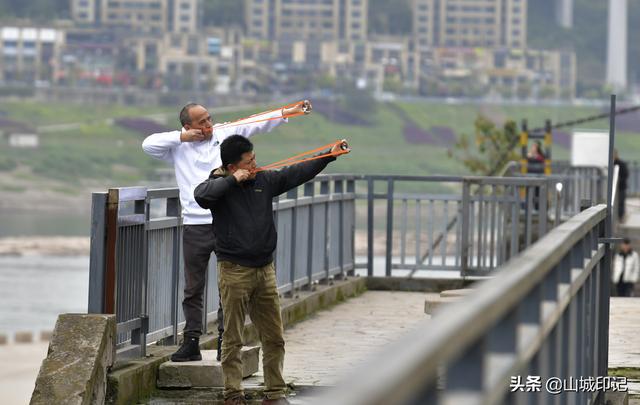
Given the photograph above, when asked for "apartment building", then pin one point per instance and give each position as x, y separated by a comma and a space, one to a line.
29, 54
149, 16
207, 61
465, 23
510, 72
319, 20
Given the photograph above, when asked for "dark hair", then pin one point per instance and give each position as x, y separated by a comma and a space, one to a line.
185, 118
626, 241
232, 149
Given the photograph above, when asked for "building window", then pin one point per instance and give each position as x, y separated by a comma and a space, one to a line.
185, 6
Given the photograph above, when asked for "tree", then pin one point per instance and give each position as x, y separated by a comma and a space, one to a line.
492, 149
392, 85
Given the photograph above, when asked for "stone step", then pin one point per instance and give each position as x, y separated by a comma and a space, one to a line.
460, 292
434, 302
204, 373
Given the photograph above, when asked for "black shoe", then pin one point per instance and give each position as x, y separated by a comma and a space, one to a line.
189, 351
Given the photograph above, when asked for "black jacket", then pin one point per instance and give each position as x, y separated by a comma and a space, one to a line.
243, 221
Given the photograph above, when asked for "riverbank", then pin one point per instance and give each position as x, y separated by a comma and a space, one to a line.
45, 246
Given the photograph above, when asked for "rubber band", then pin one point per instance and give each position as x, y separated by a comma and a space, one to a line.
282, 116
300, 157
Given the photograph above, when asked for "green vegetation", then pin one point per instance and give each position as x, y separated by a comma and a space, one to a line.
111, 155
492, 147
38, 114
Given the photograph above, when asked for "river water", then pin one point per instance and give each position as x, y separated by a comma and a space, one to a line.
35, 289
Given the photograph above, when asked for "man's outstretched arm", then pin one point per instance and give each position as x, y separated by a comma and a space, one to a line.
263, 122
298, 174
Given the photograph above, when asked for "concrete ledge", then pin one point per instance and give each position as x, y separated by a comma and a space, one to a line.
433, 303
415, 284
206, 372
135, 380
461, 292
75, 370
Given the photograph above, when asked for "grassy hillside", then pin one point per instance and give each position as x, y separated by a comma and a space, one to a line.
106, 154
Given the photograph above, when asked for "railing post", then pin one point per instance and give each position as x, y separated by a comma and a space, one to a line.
607, 262
542, 209
293, 194
174, 209
139, 335
351, 188
109, 306
309, 189
389, 227
339, 190
97, 258
324, 190
370, 186
466, 196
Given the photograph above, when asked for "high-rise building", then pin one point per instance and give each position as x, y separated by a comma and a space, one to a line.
564, 13
617, 45
463, 23
306, 19
151, 16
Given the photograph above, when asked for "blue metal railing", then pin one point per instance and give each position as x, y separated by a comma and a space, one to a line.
543, 315
136, 250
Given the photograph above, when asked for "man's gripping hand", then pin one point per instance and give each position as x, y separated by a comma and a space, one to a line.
302, 107
242, 175
340, 148
193, 135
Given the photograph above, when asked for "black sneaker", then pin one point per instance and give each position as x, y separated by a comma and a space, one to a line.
189, 351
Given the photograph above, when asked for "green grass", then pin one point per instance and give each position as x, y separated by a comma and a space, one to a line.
113, 155
38, 114
12, 188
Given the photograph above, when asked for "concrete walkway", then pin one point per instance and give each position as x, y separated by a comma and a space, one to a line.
331, 343
19, 366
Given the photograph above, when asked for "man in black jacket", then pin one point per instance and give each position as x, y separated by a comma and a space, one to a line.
623, 175
245, 240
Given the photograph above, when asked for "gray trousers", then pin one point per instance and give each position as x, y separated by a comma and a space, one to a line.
198, 242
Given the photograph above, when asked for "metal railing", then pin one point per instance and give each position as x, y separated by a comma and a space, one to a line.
482, 222
578, 183
544, 314
633, 182
137, 269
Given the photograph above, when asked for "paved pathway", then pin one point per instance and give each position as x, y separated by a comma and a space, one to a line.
19, 366
332, 342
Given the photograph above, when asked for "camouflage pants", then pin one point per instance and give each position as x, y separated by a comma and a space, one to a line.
251, 290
